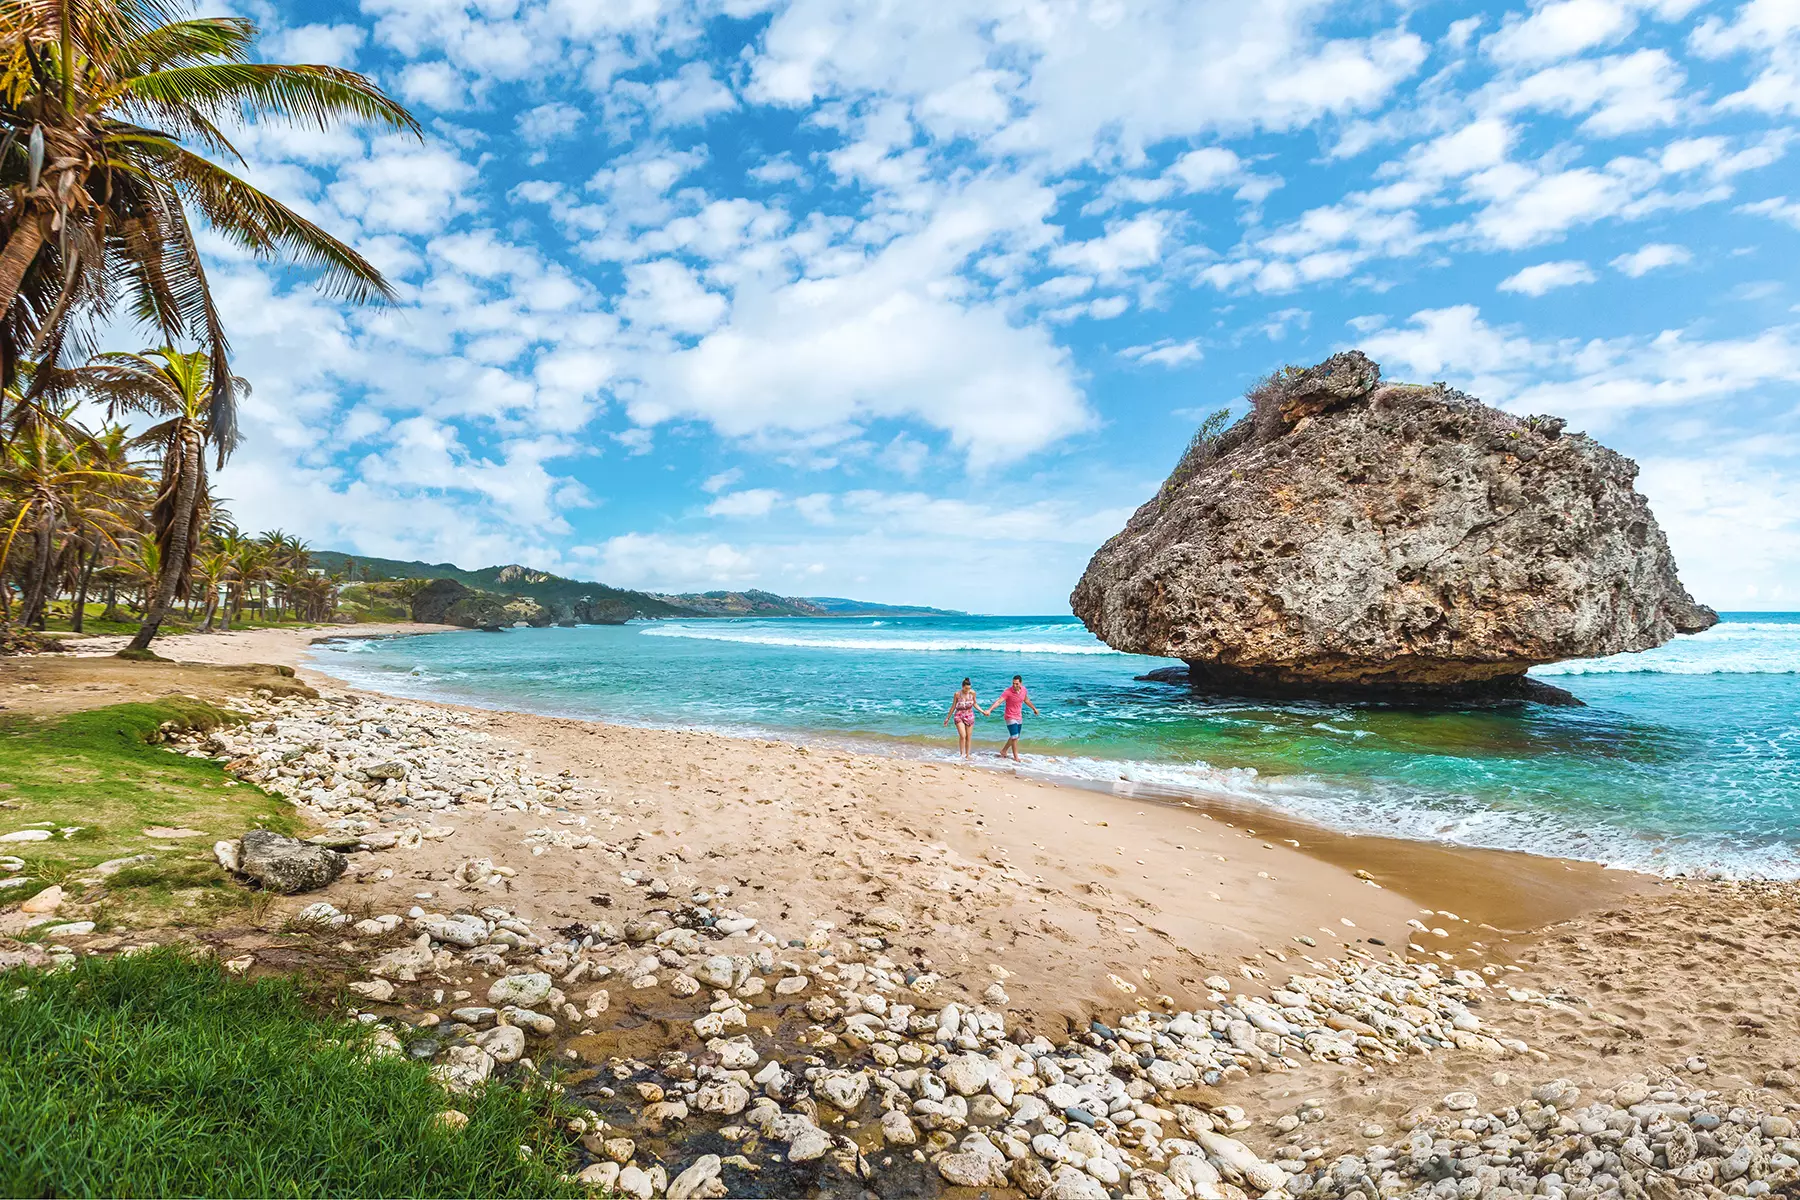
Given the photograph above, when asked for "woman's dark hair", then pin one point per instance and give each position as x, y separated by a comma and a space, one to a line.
965, 683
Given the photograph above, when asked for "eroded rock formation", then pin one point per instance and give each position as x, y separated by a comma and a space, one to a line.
447, 602
1351, 536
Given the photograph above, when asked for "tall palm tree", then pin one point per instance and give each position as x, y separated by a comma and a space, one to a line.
103, 512
249, 562
96, 186
43, 473
176, 386
212, 567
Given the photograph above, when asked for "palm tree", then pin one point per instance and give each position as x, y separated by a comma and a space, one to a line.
212, 567
102, 512
43, 472
176, 386
248, 564
140, 567
96, 100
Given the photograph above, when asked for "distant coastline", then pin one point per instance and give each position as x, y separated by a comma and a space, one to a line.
514, 580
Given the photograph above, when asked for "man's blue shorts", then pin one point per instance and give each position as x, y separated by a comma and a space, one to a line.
1013, 729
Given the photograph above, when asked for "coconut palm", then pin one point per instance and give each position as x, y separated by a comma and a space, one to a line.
177, 387
249, 564
212, 567
103, 512
97, 98
43, 474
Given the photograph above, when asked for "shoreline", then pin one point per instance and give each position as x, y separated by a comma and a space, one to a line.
1300, 789
918, 923
1338, 844
1274, 876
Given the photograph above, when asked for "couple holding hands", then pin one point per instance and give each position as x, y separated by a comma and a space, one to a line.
964, 705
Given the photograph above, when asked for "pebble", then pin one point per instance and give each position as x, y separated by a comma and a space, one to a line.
46, 901
525, 991
505, 1043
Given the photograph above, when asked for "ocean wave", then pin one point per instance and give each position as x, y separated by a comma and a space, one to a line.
1729, 648
943, 644
1401, 812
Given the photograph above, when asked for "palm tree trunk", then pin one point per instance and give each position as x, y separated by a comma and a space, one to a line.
21, 251
175, 558
42, 569
111, 611
81, 589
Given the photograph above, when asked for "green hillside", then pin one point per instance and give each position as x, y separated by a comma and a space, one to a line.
552, 591
563, 595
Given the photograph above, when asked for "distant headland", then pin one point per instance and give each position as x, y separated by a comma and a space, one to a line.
505, 595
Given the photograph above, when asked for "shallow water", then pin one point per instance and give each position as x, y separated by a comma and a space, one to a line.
1687, 758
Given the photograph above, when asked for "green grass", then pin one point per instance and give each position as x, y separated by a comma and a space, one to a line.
161, 1075
58, 618
97, 772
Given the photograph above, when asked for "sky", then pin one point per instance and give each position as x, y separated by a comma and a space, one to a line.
917, 301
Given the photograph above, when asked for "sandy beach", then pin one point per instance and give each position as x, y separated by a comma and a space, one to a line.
1063, 905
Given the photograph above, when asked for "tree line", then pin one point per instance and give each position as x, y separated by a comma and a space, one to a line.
115, 154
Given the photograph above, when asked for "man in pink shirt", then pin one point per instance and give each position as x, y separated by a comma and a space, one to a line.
1017, 700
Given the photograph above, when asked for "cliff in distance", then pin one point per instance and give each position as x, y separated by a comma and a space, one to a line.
1360, 538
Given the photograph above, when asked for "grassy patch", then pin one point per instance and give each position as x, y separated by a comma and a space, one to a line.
160, 1075
97, 773
59, 618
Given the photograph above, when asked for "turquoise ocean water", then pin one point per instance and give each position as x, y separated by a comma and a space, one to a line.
1686, 758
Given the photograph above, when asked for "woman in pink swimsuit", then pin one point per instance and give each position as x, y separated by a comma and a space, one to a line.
963, 707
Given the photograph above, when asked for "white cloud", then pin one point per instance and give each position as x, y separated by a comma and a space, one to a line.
892, 334
1651, 257
752, 502
1112, 77
1618, 94
405, 187
1595, 381
665, 294
667, 564
1733, 522
724, 479
1778, 207
1544, 277
1126, 246
1448, 343
435, 85
549, 122
328, 45
1561, 28
1766, 30
1165, 353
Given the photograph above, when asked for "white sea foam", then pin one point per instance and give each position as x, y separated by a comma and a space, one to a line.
1401, 812
1730, 648
952, 643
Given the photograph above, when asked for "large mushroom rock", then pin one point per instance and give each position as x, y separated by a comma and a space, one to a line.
1354, 537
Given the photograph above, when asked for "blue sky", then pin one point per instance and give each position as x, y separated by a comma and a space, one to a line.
918, 301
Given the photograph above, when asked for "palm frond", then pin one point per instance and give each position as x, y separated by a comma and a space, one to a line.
265, 226
304, 94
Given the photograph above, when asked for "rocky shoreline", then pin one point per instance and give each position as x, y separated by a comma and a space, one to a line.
722, 1056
